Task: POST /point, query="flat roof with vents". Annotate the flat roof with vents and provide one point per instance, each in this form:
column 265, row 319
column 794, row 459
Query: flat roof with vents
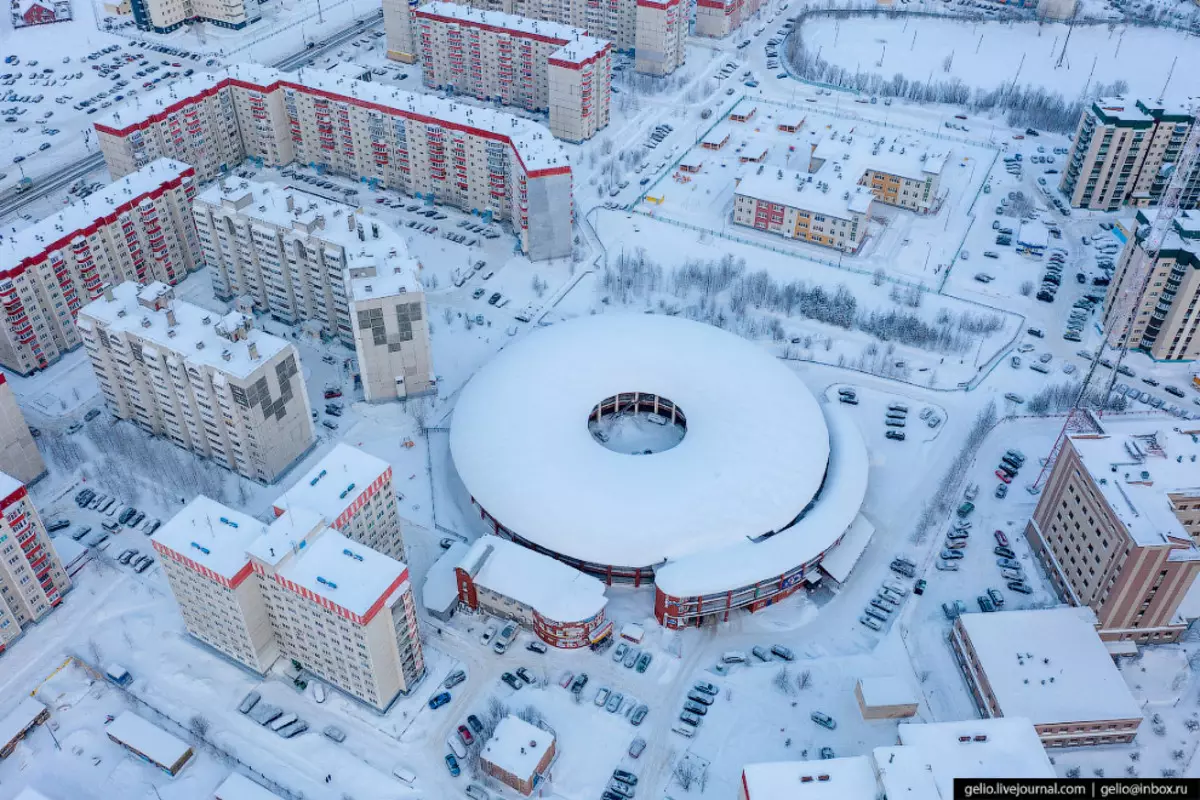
column 830, row 779
column 334, row 482
column 210, row 535
column 347, row 574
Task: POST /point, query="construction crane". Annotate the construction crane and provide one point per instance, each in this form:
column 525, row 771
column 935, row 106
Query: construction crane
column 1129, row 298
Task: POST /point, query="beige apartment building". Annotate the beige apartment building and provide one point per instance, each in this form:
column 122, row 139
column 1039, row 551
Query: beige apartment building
column 903, row 176
column 1123, row 153
column 1047, row 666
column 294, row 589
column 165, row 16
column 535, row 64
column 19, row 455
column 137, row 228
column 719, row 18
column 476, row 159
column 795, row 209
column 656, row 30
column 352, row 491
column 1166, row 321
column 391, row 332
column 32, row 578
column 211, row 384
column 1117, row 524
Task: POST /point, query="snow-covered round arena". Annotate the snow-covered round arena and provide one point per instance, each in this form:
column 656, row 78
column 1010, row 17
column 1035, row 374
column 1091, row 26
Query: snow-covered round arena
column 640, row 447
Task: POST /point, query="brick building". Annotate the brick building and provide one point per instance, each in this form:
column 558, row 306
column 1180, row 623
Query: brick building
column 518, row 755
column 138, row 228
column 475, row 159
column 32, row 578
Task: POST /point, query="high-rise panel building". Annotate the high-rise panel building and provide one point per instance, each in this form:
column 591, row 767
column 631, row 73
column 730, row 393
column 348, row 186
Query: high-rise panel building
column 391, row 333
column 138, row 228
column 211, row 384
column 164, row 16
column 476, row 159
column 719, row 18
column 32, row 578
column 19, row 455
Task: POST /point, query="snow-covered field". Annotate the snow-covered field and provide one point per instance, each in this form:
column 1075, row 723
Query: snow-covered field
column 987, row 55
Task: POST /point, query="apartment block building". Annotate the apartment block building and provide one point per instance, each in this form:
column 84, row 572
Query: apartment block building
column 719, row 18
column 1117, row 527
column 32, row 578
column 352, row 491
column 19, row 455
column 655, row 30
column 211, row 384
column 1124, row 153
column 136, row 228
column 164, row 16
column 535, row 64
column 390, row 323
column 1166, row 321
column 476, row 159
column 795, row 209
column 294, row 589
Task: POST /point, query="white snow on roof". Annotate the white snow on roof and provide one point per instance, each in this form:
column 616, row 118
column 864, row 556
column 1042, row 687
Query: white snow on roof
column 887, row 690
column 498, row 19
column 147, row 738
column 521, row 443
column 745, row 562
column 290, row 532
column 903, row 155
column 211, row 534
column 931, row 756
column 239, row 787
column 850, row 778
column 386, row 282
column 20, row 718
column 9, row 484
column 190, row 329
column 517, row 747
column 553, row 589
column 1033, row 233
column 69, row 551
column 1189, row 607
column 334, row 482
column 842, row 559
column 795, row 190
column 32, row 239
column 343, row 571
column 1049, row 666
column 440, row 592
column 1150, row 462
column 381, row 247
column 29, row 793
column 536, row 146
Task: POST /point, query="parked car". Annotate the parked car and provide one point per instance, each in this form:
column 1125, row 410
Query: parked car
column 823, row 719
column 439, row 700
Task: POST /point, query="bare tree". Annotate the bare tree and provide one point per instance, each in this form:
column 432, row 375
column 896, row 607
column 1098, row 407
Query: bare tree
column 1026, row 288
column 685, row 774
column 804, row 680
column 783, row 680
column 199, row 725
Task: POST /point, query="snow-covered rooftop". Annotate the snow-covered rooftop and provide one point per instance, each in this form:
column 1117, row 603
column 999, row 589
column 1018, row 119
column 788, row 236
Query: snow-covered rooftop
column 887, row 690
column 498, row 19
column 850, row 778
column 795, row 189
column 842, row 559
column 754, row 454
column 535, row 145
column 902, row 155
column 440, row 591
column 212, row 535
column 930, row 756
column 390, row 281
column 147, row 738
column 239, row 787
column 194, row 335
column 553, row 589
column 290, row 532
column 69, row 551
column 29, row 793
column 20, row 718
column 335, row 482
column 9, row 484
column 1033, row 233
column 380, row 247
column 346, row 573
column 1134, row 465
column 1049, row 666
column 517, row 747
column 114, row 199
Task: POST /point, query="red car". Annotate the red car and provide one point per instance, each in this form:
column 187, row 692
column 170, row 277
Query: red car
column 1004, row 476
column 332, row 393
column 465, row 734
column 1001, row 539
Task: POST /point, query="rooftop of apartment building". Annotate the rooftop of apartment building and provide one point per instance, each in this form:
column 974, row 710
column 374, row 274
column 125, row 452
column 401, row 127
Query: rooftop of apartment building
column 334, row 482
column 552, row 32
column 1138, row 113
column 850, row 778
column 903, row 155
column 9, row 485
column 1049, row 665
column 1134, row 464
column 1182, row 238
column 228, row 344
column 930, row 756
column 535, row 145
column 346, row 573
column 843, row 198
column 211, row 535
column 557, row 591
column 378, row 246
column 386, row 280
column 31, row 241
column 290, row 532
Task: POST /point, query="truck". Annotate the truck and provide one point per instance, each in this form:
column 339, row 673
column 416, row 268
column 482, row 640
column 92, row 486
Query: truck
column 24, row 185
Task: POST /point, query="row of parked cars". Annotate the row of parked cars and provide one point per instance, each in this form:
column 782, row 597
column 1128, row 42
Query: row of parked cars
column 631, row 657
column 621, row 786
column 286, row 724
column 695, row 708
column 880, row 608
column 1010, row 568
column 140, row 563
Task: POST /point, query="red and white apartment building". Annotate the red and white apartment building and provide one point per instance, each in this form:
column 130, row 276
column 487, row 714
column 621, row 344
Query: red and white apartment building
column 719, row 18
column 138, row 228
column 441, row 151
column 32, row 578
column 535, row 64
